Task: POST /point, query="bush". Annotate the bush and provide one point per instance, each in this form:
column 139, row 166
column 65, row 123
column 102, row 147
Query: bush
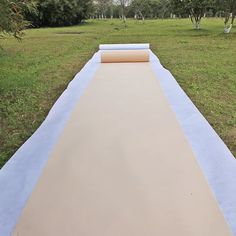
column 60, row 12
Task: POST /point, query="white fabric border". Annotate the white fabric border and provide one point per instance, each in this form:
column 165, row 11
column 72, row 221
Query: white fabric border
column 213, row 156
column 19, row 176
column 124, row 46
column 21, row 173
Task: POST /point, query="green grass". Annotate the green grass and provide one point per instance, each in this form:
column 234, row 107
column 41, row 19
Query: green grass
column 34, row 72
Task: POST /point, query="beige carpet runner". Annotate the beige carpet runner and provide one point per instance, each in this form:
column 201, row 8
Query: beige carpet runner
column 122, row 167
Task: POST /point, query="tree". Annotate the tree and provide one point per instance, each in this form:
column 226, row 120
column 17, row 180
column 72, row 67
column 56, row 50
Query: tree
column 102, row 7
column 229, row 9
column 123, row 4
column 163, row 8
column 12, row 19
column 141, row 8
column 195, row 9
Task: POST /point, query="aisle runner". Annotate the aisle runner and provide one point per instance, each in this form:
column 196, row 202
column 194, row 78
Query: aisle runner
column 122, row 167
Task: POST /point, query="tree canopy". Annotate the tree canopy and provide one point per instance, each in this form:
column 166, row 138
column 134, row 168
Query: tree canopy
column 12, row 20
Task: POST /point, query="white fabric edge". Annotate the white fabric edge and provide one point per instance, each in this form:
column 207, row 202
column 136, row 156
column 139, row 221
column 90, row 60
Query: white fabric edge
column 21, row 173
column 19, row 176
column 213, row 156
column 124, row 46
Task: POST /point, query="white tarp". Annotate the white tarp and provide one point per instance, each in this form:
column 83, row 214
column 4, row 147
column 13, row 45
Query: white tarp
column 19, row 176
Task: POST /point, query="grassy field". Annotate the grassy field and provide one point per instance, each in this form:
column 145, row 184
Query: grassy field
column 34, row 72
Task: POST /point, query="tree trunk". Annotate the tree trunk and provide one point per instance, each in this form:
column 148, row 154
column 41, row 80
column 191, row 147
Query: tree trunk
column 227, row 27
column 197, row 25
column 123, row 14
column 196, row 20
column 111, row 12
column 123, row 18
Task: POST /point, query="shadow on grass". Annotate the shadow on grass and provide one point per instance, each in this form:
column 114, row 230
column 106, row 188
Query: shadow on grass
column 198, row 32
column 227, row 36
column 70, row 32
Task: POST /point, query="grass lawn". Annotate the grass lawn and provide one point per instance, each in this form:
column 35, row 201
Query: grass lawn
column 34, row 72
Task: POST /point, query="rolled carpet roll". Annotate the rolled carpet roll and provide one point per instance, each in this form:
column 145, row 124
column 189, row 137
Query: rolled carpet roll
column 138, row 46
column 115, row 56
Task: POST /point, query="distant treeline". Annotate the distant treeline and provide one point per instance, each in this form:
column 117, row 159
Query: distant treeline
column 193, row 9
column 16, row 15
column 71, row 12
column 140, row 9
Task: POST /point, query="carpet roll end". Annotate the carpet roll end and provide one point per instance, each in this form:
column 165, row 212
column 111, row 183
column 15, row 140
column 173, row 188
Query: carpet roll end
column 122, row 56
